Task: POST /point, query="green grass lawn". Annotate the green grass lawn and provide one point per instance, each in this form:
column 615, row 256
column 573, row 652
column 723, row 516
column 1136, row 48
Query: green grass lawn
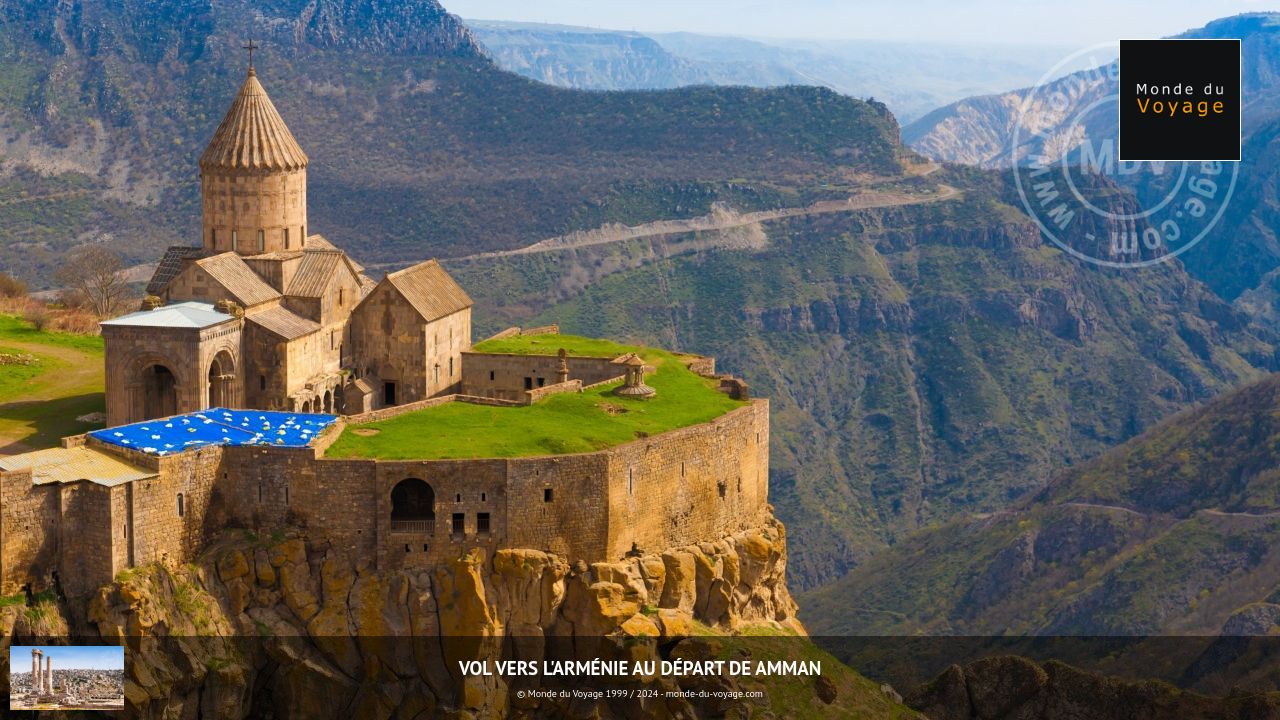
column 15, row 328
column 40, row 403
column 551, row 344
column 566, row 423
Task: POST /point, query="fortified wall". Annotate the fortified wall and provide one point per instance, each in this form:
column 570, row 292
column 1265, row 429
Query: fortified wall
column 694, row 484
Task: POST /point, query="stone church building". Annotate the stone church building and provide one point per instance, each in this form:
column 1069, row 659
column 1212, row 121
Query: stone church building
column 265, row 315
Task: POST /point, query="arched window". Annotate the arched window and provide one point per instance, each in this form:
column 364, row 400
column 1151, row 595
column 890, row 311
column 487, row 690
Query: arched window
column 413, row 507
column 181, row 508
column 262, row 241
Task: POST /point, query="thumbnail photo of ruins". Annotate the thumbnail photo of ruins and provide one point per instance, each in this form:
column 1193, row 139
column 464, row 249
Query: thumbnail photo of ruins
column 66, row 678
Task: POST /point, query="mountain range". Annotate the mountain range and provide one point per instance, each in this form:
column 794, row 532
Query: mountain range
column 911, row 78
column 980, row 130
column 1173, row 533
column 929, row 356
column 421, row 147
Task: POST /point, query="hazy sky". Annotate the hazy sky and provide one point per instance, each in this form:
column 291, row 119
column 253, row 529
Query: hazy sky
column 106, row 657
column 1040, row 22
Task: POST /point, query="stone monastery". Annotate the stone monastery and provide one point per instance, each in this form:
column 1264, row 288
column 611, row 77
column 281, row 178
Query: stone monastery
column 259, row 349
column 263, row 315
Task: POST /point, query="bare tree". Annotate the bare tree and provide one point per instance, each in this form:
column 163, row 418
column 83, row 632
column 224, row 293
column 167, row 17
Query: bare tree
column 97, row 275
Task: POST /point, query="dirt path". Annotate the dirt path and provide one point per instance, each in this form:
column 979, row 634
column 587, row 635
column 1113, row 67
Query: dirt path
column 1253, row 516
column 1098, row 506
column 38, row 198
column 719, row 218
column 85, row 368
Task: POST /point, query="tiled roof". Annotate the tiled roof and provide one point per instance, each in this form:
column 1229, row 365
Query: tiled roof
column 430, row 290
column 231, row 271
column 170, row 265
column 178, row 315
column 253, row 136
column 314, row 273
column 283, row 322
column 318, row 242
column 63, row 465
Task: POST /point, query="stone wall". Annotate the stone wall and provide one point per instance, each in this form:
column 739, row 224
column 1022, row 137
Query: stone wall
column 85, row 526
column 680, row 488
column 161, row 531
column 508, row 376
column 28, row 532
column 688, row 485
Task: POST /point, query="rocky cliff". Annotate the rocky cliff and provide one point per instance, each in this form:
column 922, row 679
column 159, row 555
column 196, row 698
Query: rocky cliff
column 289, row 626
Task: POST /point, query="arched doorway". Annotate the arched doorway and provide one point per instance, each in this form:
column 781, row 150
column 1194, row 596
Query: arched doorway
column 159, row 392
column 339, row 403
column 328, row 401
column 222, row 380
column 413, row 507
column 306, row 406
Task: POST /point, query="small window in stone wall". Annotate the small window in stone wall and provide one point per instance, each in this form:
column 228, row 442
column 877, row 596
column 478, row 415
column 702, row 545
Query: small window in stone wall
column 482, row 497
column 262, row 382
column 286, row 494
column 181, row 509
column 546, row 495
column 459, row 523
column 482, row 523
column 720, row 488
column 491, row 375
column 631, row 481
column 457, row 498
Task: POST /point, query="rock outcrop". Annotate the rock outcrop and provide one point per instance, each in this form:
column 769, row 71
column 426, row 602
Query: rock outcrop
column 298, row 626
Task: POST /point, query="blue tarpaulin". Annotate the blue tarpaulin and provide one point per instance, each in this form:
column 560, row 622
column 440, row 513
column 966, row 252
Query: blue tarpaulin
column 217, row 426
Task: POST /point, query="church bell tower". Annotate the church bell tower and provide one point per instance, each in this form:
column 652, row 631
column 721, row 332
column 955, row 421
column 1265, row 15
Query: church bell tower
column 253, row 179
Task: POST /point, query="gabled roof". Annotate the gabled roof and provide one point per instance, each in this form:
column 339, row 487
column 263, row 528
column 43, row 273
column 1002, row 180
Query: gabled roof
column 318, row 242
column 430, row 290
column 170, row 265
column 178, row 315
column 280, row 321
column 233, row 273
column 314, row 273
column 253, row 136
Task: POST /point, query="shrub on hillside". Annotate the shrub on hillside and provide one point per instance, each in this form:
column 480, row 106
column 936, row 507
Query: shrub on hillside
column 11, row 287
column 37, row 314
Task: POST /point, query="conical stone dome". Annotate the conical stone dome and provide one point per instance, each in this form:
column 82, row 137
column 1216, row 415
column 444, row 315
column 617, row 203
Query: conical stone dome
column 253, row 136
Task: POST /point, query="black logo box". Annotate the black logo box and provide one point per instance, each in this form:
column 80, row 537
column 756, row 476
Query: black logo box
column 1190, row 64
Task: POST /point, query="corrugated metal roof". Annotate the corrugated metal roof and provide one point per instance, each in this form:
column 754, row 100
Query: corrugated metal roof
column 63, row 465
column 430, row 290
column 170, row 265
column 314, row 273
column 178, row 315
column 233, row 273
column 253, row 136
column 283, row 322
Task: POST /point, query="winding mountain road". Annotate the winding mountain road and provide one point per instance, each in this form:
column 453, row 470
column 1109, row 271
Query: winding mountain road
column 720, row 218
